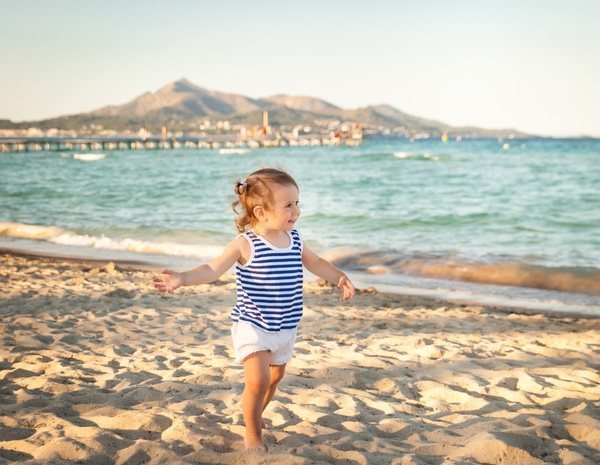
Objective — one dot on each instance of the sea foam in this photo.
(508, 273)
(29, 231)
(61, 236)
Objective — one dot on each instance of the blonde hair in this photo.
(256, 190)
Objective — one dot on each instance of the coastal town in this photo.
(182, 114)
(208, 134)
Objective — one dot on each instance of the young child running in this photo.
(269, 255)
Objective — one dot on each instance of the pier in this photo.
(92, 143)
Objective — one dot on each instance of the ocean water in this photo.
(509, 223)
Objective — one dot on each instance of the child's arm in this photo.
(170, 280)
(324, 269)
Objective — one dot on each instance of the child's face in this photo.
(285, 210)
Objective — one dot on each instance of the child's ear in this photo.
(259, 212)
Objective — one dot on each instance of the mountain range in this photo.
(181, 105)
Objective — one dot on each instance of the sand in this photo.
(96, 367)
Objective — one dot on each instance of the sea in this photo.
(511, 223)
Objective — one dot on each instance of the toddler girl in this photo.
(269, 255)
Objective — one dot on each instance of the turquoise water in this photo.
(424, 209)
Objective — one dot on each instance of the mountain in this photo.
(181, 105)
(308, 104)
(185, 99)
(388, 116)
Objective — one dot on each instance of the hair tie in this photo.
(241, 187)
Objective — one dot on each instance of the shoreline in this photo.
(130, 265)
(98, 367)
(364, 280)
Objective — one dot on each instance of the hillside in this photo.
(182, 105)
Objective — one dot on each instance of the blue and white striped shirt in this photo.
(269, 285)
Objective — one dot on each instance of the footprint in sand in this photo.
(509, 383)
(15, 434)
(124, 350)
(177, 362)
(19, 373)
(44, 339)
(14, 456)
(69, 339)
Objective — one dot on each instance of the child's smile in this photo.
(285, 210)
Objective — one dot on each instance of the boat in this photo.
(89, 156)
(232, 151)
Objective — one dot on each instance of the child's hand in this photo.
(168, 281)
(346, 287)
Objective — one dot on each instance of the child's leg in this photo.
(277, 372)
(257, 381)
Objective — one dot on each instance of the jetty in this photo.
(121, 143)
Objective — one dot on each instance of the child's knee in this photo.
(276, 377)
(258, 385)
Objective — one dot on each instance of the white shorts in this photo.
(248, 339)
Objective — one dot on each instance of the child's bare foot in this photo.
(255, 443)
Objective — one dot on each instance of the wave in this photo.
(567, 279)
(416, 156)
(584, 280)
(61, 236)
(29, 231)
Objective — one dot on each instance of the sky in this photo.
(531, 65)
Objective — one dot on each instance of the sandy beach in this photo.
(98, 368)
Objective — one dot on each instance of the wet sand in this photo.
(96, 367)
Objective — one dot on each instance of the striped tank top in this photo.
(269, 285)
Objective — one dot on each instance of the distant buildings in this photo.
(204, 134)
